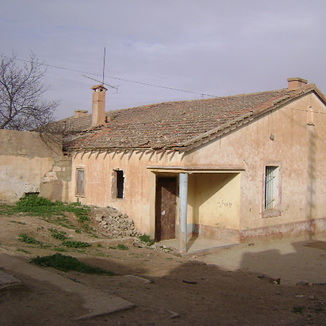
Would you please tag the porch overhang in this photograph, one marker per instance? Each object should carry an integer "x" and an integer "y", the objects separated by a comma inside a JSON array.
[
  {"x": 192, "y": 170},
  {"x": 183, "y": 174}
]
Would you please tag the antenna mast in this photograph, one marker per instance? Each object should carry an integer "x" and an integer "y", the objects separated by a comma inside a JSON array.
[{"x": 104, "y": 55}]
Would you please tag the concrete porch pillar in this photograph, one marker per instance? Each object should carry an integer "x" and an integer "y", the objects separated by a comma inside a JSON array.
[{"x": 183, "y": 196}]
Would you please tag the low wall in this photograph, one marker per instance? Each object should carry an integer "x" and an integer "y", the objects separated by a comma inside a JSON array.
[{"x": 25, "y": 159}]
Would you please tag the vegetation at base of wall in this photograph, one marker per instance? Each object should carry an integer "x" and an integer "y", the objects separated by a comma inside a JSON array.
[
  {"x": 76, "y": 244},
  {"x": 68, "y": 263},
  {"x": 33, "y": 202},
  {"x": 146, "y": 239}
]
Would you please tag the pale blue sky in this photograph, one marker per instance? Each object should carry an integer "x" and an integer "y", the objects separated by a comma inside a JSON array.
[{"x": 203, "y": 46}]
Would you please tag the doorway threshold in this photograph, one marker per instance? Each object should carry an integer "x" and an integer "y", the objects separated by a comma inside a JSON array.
[{"x": 199, "y": 245}]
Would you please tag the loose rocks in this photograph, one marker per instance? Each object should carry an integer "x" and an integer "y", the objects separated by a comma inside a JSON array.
[{"x": 115, "y": 223}]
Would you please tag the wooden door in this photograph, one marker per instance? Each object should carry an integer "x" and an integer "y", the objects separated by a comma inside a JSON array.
[{"x": 166, "y": 204}]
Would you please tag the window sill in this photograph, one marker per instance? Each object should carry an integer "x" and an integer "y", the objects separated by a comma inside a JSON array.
[{"x": 271, "y": 213}]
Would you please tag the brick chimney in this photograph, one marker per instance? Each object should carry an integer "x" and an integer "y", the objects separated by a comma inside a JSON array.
[
  {"x": 80, "y": 113},
  {"x": 296, "y": 82},
  {"x": 98, "y": 105}
]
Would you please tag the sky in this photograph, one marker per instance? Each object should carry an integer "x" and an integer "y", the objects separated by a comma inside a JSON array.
[{"x": 165, "y": 50}]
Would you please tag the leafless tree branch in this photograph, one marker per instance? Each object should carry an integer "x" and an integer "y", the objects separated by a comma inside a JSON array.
[{"x": 22, "y": 106}]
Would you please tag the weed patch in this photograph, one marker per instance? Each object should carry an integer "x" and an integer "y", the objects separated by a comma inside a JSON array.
[
  {"x": 6, "y": 209},
  {"x": 76, "y": 244},
  {"x": 68, "y": 263},
  {"x": 40, "y": 206},
  {"x": 23, "y": 250},
  {"x": 27, "y": 239},
  {"x": 298, "y": 309},
  {"x": 22, "y": 223},
  {"x": 59, "y": 249},
  {"x": 146, "y": 239},
  {"x": 59, "y": 235},
  {"x": 120, "y": 247}
]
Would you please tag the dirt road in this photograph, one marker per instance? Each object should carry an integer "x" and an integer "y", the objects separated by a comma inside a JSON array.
[{"x": 218, "y": 289}]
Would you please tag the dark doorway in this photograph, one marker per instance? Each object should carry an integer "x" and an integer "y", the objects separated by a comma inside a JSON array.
[{"x": 166, "y": 204}]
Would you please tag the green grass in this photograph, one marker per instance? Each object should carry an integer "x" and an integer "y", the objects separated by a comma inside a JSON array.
[
  {"x": 51, "y": 212},
  {"x": 68, "y": 263},
  {"x": 40, "y": 206},
  {"x": 76, "y": 244}
]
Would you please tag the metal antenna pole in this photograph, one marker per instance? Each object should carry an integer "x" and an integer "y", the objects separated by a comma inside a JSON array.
[{"x": 104, "y": 55}]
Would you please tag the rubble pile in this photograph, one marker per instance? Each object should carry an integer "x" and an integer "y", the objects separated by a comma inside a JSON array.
[{"x": 115, "y": 224}]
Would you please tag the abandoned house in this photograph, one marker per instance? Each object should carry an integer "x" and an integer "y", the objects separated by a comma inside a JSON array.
[{"x": 237, "y": 167}]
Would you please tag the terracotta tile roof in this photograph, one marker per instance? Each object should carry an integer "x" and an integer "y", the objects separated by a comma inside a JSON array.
[{"x": 178, "y": 125}]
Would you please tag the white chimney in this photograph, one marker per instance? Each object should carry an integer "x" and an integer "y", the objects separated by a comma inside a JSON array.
[{"x": 98, "y": 105}]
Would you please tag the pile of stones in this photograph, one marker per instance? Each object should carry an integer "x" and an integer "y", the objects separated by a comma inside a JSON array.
[{"x": 115, "y": 224}]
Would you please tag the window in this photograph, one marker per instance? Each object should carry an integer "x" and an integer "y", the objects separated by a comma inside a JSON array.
[
  {"x": 118, "y": 183},
  {"x": 271, "y": 187},
  {"x": 80, "y": 182}
]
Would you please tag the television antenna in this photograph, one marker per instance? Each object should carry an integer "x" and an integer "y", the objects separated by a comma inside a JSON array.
[{"x": 103, "y": 74}]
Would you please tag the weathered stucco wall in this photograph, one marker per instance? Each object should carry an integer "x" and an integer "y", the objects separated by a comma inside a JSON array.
[
  {"x": 25, "y": 158},
  {"x": 229, "y": 199},
  {"x": 139, "y": 183},
  {"x": 292, "y": 138}
]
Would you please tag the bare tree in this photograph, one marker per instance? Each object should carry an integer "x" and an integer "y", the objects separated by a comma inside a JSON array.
[{"x": 22, "y": 106}]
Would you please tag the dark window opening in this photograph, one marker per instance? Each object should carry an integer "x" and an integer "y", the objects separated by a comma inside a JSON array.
[{"x": 120, "y": 183}]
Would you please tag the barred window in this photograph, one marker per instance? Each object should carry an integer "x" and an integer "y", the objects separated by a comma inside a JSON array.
[{"x": 271, "y": 187}]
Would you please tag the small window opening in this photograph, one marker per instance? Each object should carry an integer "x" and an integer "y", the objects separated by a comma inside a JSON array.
[
  {"x": 80, "y": 182},
  {"x": 119, "y": 183},
  {"x": 310, "y": 116}
]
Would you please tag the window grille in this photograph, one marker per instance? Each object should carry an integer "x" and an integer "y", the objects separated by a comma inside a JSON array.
[{"x": 271, "y": 187}]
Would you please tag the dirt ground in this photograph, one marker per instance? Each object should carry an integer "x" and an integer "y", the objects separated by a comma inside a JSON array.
[{"x": 182, "y": 290}]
